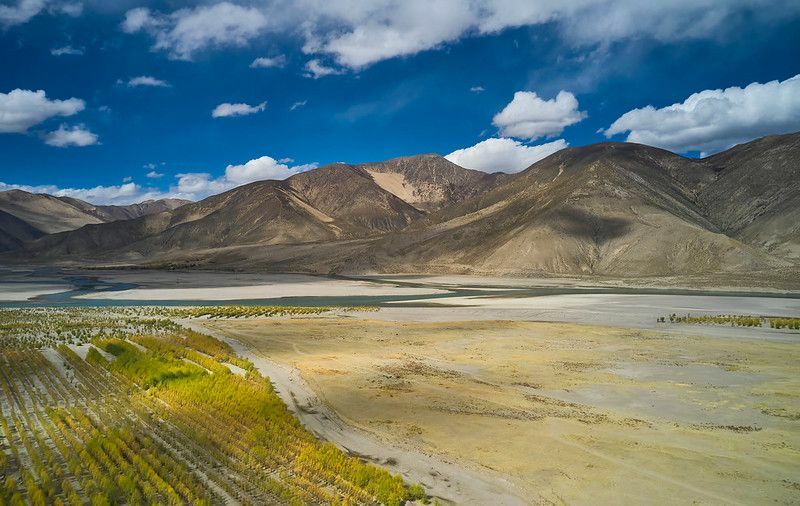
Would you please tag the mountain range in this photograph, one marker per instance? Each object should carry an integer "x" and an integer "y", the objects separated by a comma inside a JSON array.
[
  {"x": 608, "y": 209},
  {"x": 25, "y": 216}
]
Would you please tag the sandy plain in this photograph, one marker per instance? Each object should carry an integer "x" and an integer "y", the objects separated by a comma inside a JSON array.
[{"x": 549, "y": 413}]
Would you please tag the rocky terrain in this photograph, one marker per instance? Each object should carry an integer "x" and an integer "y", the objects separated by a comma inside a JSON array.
[{"x": 609, "y": 209}]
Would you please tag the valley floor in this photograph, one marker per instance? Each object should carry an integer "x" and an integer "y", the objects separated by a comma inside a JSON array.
[
  {"x": 559, "y": 412},
  {"x": 501, "y": 391}
]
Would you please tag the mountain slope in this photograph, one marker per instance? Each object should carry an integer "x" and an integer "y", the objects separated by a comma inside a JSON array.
[
  {"x": 334, "y": 202},
  {"x": 14, "y": 232},
  {"x": 38, "y": 214},
  {"x": 350, "y": 196},
  {"x": 127, "y": 212},
  {"x": 45, "y": 212},
  {"x": 613, "y": 209},
  {"x": 59, "y": 214},
  {"x": 430, "y": 182},
  {"x": 755, "y": 196}
]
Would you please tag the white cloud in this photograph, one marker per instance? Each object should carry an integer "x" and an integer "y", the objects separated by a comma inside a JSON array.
[
  {"x": 11, "y": 15},
  {"x": 528, "y": 116},
  {"x": 154, "y": 175},
  {"x": 65, "y": 136},
  {"x": 713, "y": 120},
  {"x": 127, "y": 179},
  {"x": 316, "y": 69},
  {"x": 22, "y": 109},
  {"x": 147, "y": 81},
  {"x": 66, "y": 50},
  {"x": 186, "y": 31},
  {"x": 269, "y": 62},
  {"x": 138, "y": 19},
  {"x": 503, "y": 155},
  {"x": 24, "y": 10},
  {"x": 358, "y": 34},
  {"x": 385, "y": 29},
  {"x": 297, "y": 105},
  {"x": 264, "y": 167},
  {"x": 225, "y": 110},
  {"x": 128, "y": 193},
  {"x": 198, "y": 185},
  {"x": 477, "y": 89}
]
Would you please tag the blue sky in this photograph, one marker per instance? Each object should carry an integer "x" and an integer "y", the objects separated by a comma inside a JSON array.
[{"x": 129, "y": 89}]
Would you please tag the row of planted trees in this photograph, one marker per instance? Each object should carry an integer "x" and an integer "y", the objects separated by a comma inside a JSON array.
[
  {"x": 734, "y": 320},
  {"x": 66, "y": 456},
  {"x": 247, "y": 421}
]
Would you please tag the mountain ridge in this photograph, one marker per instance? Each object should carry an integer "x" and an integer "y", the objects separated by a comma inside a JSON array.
[
  {"x": 49, "y": 214},
  {"x": 609, "y": 209}
]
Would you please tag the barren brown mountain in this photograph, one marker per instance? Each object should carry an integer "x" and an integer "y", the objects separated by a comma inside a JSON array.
[
  {"x": 613, "y": 209},
  {"x": 49, "y": 214}
]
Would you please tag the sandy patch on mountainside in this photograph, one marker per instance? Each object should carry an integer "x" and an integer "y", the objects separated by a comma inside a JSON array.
[{"x": 563, "y": 412}]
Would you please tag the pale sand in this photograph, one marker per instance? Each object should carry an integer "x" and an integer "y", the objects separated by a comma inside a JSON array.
[
  {"x": 20, "y": 292},
  {"x": 279, "y": 287},
  {"x": 442, "y": 478},
  {"x": 562, "y": 413},
  {"x": 632, "y": 311}
]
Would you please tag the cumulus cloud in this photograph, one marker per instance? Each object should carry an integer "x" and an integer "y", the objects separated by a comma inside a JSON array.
[
  {"x": 66, "y": 136},
  {"x": 154, "y": 174},
  {"x": 503, "y": 155},
  {"x": 186, "y": 31},
  {"x": 316, "y": 69},
  {"x": 477, "y": 89},
  {"x": 147, "y": 81},
  {"x": 361, "y": 34},
  {"x": 713, "y": 120},
  {"x": 226, "y": 110},
  {"x": 528, "y": 116},
  {"x": 197, "y": 185},
  {"x": 22, "y": 109},
  {"x": 358, "y": 34},
  {"x": 128, "y": 193},
  {"x": 269, "y": 62},
  {"x": 66, "y": 50}
]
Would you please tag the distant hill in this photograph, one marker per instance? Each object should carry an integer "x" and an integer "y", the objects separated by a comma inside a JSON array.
[
  {"x": 46, "y": 214},
  {"x": 610, "y": 209}
]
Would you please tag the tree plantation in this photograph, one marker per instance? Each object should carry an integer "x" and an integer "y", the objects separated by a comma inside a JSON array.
[
  {"x": 736, "y": 321},
  {"x": 103, "y": 407}
]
